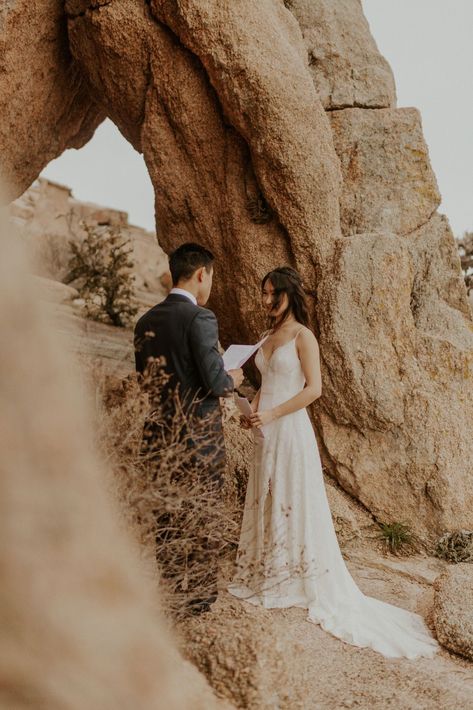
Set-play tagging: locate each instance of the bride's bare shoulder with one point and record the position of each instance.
(306, 337)
(305, 332)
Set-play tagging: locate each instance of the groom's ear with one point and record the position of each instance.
(200, 274)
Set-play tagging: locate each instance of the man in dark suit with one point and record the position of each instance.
(182, 336)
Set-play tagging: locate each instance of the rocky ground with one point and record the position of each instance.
(277, 659)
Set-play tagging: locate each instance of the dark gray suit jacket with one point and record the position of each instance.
(186, 335)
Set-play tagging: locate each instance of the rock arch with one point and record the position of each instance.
(270, 133)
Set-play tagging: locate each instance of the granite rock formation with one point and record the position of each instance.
(230, 119)
(453, 603)
(48, 218)
(344, 61)
(208, 163)
(46, 106)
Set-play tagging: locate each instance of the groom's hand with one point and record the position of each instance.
(237, 377)
(259, 419)
(245, 423)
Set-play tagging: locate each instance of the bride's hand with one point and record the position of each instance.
(244, 422)
(261, 418)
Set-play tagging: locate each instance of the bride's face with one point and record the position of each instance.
(269, 299)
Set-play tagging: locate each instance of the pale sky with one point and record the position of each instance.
(429, 46)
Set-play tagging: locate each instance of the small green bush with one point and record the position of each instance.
(101, 269)
(395, 535)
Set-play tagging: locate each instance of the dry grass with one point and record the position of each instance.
(169, 498)
(175, 509)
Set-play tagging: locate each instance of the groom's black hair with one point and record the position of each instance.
(186, 259)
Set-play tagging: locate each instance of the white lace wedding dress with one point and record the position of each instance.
(288, 553)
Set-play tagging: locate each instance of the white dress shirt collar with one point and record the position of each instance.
(183, 292)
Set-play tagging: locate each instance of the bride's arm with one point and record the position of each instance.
(308, 350)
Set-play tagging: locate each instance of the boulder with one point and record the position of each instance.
(397, 344)
(453, 609)
(243, 655)
(46, 104)
(388, 182)
(344, 61)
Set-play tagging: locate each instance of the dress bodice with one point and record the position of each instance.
(281, 374)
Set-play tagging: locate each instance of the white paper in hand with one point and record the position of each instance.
(236, 355)
(245, 408)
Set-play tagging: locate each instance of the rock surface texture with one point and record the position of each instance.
(226, 101)
(388, 183)
(398, 355)
(45, 104)
(344, 61)
(453, 609)
(244, 656)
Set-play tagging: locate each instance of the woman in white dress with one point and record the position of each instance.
(288, 553)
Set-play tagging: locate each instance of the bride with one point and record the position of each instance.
(288, 553)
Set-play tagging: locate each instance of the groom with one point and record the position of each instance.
(185, 335)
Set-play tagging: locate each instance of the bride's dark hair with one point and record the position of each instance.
(285, 279)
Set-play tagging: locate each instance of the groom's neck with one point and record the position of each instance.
(188, 286)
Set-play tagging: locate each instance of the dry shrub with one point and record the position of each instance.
(456, 546)
(100, 267)
(166, 491)
(465, 250)
(170, 503)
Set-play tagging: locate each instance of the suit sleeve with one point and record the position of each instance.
(137, 345)
(203, 340)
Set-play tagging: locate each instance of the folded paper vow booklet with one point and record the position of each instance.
(245, 408)
(236, 355)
